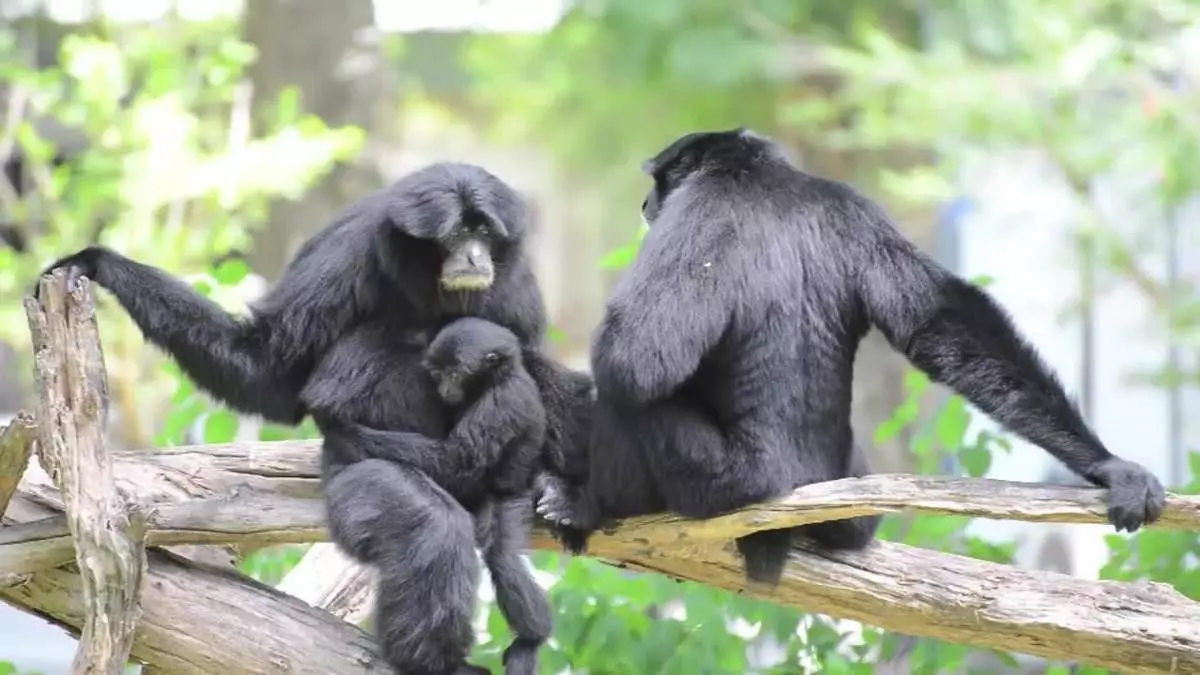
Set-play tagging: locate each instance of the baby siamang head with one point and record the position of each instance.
(473, 219)
(708, 151)
(468, 356)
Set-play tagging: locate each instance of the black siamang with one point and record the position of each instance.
(444, 242)
(724, 360)
(471, 380)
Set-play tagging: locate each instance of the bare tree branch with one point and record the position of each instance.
(16, 446)
(327, 578)
(106, 532)
(202, 619)
(222, 493)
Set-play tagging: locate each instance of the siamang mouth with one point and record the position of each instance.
(467, 281)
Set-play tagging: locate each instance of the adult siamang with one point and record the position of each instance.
(471, 378)
(444, 242)
(724, 359)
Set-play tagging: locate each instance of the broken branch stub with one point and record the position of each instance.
(72, 413)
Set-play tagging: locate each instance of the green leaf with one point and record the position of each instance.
(951, 424)
(231, 272)
(220, 427)
(976, 460)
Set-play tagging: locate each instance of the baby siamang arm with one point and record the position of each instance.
(458, 468)
(668, 312)
(256, 364)
(962, 338)
(462, 461)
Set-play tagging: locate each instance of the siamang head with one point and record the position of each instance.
(474, 221)
(468, 356)
(701, 151)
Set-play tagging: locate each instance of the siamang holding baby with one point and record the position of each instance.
(442, 243)
(724, 359)
(470, 379)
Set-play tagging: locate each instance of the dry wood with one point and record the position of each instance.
(73, 409)
(327, 578)
(221, 493)
(201, 619)
(16, 446)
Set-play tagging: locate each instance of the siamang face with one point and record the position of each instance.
(468, 356)
(473, 218)
(469, 253)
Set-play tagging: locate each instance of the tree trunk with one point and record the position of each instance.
(330, 52)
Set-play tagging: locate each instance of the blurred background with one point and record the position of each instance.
(1049, 149)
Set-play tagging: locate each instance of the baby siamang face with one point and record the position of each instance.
(468, 356)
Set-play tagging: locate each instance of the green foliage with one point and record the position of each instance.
(166, 178)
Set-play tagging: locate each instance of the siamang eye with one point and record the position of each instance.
(492, 357)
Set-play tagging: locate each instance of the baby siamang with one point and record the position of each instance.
(456, 431)
(444, 242)
(724, 359)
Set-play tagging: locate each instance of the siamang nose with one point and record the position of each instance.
(477, 255)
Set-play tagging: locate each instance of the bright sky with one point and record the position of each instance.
(391, 15)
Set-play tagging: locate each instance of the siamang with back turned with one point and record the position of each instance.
(470, 378)
(444, 242)
(724, 359)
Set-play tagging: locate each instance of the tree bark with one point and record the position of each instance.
(223, 493)
(105, 530)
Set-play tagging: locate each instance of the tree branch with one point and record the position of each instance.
(202, 619)
(73, 408)
(224, 493)
(16, 446)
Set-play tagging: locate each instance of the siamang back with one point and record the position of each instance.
(724, 360)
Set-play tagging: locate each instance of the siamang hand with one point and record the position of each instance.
(85, 263)
(1135, 497)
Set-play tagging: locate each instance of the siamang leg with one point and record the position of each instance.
(521, 600)
(423, 544)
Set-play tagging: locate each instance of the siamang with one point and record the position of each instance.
(444, 242)
(470, 379)
(724, 359)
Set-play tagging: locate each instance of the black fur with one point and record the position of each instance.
(467, 415)
(724, 360)
(341, 334)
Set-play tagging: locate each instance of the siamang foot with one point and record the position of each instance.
(562, 504)
(558, 501)
(85, 263)
(1135, 496)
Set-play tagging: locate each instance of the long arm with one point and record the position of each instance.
(962, 338)
(668, 312)
(257, 364)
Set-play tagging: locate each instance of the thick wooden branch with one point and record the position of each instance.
(202, 619)
(16, 446)
(327, 578)
(73, 411)
(248, 494)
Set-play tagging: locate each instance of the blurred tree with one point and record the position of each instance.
(326, 58)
